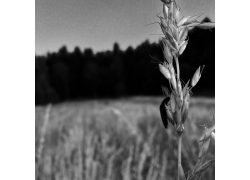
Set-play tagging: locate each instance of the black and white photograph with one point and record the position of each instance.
(125, 90)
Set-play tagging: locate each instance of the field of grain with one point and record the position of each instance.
(116, 139)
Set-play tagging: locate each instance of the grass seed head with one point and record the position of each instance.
(176, 110)
(163, 22)
(197, 76)
(173, 81)
(182, 20)
(167, 53)
(175, 32)
(186, 89)
(183, 35)
(182, 47)
(171, 11)
(173, 78)
(165, 71)
(171, 45)
(165, 11)
(176, 12)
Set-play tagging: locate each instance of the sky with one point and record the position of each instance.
(98, 24)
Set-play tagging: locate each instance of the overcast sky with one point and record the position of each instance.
(100, 23)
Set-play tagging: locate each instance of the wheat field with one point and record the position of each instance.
(116, 139)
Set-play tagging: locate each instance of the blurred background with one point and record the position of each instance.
(98, 90)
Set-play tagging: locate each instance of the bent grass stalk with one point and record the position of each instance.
(174, 108)
(43, 132)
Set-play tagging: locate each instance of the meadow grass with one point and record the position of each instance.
(117, 139)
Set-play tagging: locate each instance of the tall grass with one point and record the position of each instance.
(175, 106)
(121, 139)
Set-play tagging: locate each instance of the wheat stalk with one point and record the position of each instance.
(174, 108)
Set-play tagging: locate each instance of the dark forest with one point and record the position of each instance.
(81, 74)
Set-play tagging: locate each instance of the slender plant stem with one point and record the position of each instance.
(179, 155)
(177, 67)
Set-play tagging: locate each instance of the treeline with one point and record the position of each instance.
(80, 74)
